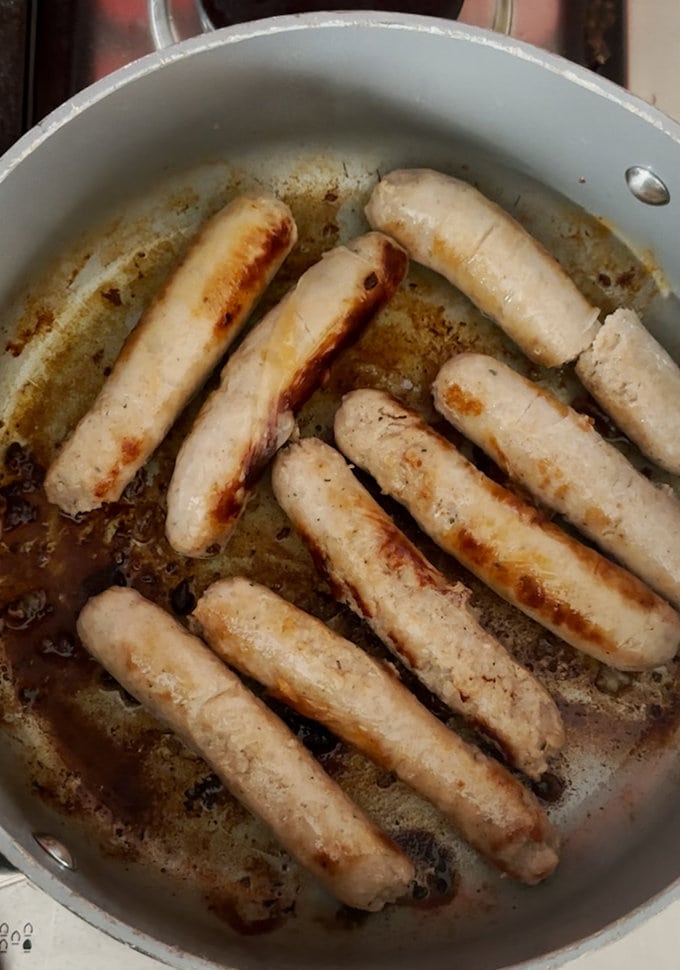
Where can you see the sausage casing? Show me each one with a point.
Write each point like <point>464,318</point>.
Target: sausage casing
<point>373,568</point>
<point>171,351</point>
<point>562,460</point>
<point>275,369</point>
<point>328,678</point>
<point>263,764</point>
<point>569,588</point>
<point>451,227</point>
<point>634,380</point>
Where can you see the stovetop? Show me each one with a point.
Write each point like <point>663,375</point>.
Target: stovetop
<point>51,49</point>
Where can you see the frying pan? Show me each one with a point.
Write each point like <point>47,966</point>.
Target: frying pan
<point>100,806</point>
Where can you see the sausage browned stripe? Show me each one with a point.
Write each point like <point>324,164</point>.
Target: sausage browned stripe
<point>373,568</point>
<point>263,764</point>
<point>328,678</point>
<point>173,348</point>
<point>633,378</point>
<point>449,226</point>
<point>585,599</point>
<point>562,460</point>
<point>275,369</point>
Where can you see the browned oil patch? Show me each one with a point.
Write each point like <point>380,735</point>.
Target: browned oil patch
<point>627,278</point>
<point>43,320</point>
<point>231,912</point>
<point>116,772</point>
<point>663,712</point>
<point>437,878</point>
<point>112,296</point>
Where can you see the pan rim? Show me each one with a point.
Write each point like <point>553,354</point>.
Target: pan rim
<point>416,23</point>
<point>56,884</point>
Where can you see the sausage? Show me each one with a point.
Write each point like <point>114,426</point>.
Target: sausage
<point>635,381</point>
<point>569,588</point>
<point>561,459</point>
<point>171,351</point>
<point>251,414</point>
<point>452,228</point>
<point>425,620</point>
<point>328,678</point>
<point>260,761</point>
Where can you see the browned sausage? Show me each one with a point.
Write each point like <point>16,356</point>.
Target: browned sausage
<point>328,678</point>
<point>569,588</point>
<point>560,457</point>
<point>263,764</point>
<point>271,374</point>
<point>448,225</point>
<point>172,350</point>
<point>425,620</point>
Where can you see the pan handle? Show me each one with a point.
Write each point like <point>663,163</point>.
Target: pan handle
<point>502,21</point>
<point>164,29</point>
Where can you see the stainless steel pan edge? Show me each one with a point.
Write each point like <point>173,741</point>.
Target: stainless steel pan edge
<point>604,131</point>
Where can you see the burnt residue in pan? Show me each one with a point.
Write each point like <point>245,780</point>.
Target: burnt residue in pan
<point>436,880</point>
<point>135,787</point>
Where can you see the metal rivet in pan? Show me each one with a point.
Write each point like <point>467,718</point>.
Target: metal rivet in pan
<point>56,850</point>
<point>646,186</point>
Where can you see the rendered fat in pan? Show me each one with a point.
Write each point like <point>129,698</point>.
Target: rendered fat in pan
<point>373,568</point>
<point>570,589</point>
<point>561,459</point>
<point>448,225</point>
<point>272,373</point>
<point>328,678</point>
<point>263,764</point>
<point>171,351</point>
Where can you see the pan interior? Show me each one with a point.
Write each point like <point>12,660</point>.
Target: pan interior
<point>149,819</point>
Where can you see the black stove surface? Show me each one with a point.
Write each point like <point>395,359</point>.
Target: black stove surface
<point>50,49</point>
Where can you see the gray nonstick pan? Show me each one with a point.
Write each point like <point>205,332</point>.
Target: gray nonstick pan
<point>100,805</point>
